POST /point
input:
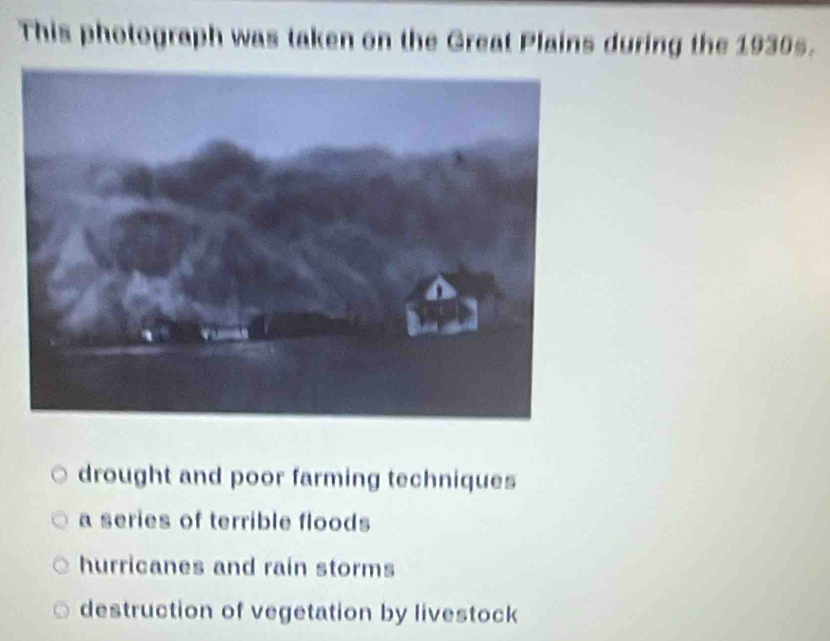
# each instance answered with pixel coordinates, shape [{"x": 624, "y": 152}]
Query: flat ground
[{"x": 484, "y": 374}]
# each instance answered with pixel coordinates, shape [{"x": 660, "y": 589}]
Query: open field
[{"x": 482, "y": 375}]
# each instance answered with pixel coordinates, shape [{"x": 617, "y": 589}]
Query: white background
[{"x": 673, "y": 480}]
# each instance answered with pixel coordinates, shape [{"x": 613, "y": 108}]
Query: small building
[
  {"x": 211, "y": 333},
  {"x": 447, "y": 303},
  {"x": 159, "y": 331},
  {"x": 164, "y": 330}
]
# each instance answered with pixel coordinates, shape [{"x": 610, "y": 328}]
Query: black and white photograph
[{"x": 280, "y": 245}]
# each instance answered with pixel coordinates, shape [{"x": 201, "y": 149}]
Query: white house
[{"x": 449, "y": 303}]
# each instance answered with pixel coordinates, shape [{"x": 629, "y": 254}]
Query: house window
[{"x": 439, "y": 290}]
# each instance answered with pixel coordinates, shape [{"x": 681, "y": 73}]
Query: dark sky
[{"x": 166, "y": 117}]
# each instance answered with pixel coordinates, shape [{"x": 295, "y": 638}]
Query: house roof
[{"x": 466, "y": 283}]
